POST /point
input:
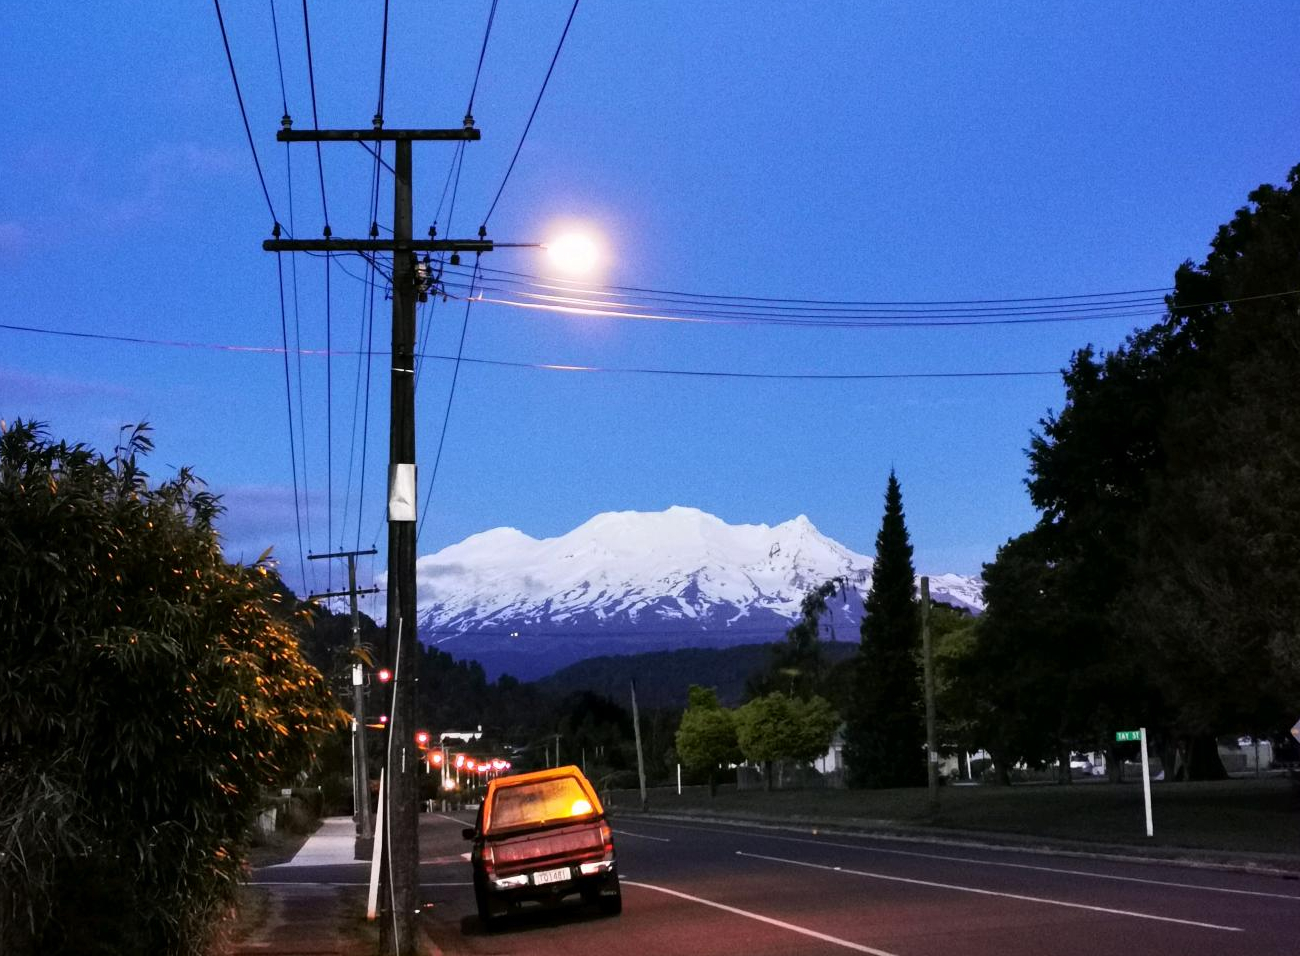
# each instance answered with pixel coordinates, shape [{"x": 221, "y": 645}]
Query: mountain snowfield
[{"x": 631, "y": 581}]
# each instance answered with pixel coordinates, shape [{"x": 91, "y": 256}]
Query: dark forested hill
[{"x": 662, "y": 677}]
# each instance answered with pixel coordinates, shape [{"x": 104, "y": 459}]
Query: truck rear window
[{"x": 544, "y": 801}]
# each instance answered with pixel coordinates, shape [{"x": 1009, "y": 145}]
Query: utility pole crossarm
[
  {"x": 375, "y": 135},
  {"x": 334, "y": 594},
  {"x": 341, "y": 554},
  {"x": 378, "y": 245}
]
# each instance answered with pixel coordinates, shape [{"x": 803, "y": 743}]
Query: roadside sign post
[{"x": 1140, "y": 735}]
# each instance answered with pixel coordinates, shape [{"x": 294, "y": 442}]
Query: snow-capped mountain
[{"x": 630, "y": 581}]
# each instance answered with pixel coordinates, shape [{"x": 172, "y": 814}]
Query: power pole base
[{"x": 363, "y": 848}]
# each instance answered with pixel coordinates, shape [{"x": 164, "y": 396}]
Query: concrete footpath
[{"x": 292, "y": 918}]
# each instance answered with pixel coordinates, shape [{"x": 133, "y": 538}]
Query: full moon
[{"x": 573, "y": 253}]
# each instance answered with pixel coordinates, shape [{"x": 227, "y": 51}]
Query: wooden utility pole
[
  {"x": 365, "y": 838},
  {"x": 640, "y": 757},
  {"x": 931, "y": 747},
  {"x": 399, "y": 869}
]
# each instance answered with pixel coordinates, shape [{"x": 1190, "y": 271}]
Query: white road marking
[
  {"x": 463, "y": 823},
  {"x": 984, "y": 892},
  {"x": 642, "y": 836},
  {"x": 803, "y": 930},
  {"x": 1015, "y": 866},
  {"x": 1040, "y": 869}
]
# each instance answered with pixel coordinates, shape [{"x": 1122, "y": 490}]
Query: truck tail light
[{"x": 607, "y": 838}]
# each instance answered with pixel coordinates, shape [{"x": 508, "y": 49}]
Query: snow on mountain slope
[{"x": 629, "y": 581}]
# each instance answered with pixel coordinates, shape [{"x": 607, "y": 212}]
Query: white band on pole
[
  {"x": 1146, "y": 779},
  {"x": 372, "y": 901}
]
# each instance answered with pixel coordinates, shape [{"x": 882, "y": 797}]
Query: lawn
[{"x": 1248, "y": 816}]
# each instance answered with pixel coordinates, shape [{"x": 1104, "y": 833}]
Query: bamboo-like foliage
[{"x": 149, "y": 692}]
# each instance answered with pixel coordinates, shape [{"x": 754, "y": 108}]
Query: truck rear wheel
[
  {"x": 611, "y": 904},
  {"x": 489, "y": 913}
]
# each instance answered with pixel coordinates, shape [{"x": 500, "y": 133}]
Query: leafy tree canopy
[{"x": 150, "y": 692}]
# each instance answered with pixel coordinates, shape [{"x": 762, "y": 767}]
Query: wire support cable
[{"x": 529, "y": 125}]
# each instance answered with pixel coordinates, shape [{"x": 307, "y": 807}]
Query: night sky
[{"x": 864, "y": 152}]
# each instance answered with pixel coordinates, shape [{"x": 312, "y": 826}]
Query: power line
[
  {"x": 297, "y": 325},
  {"x": 639, "y": 290},
  {"x": 704, "y": 318},
  {"x": 487, "y": 32},
  {"x": 293, "y": 451},
  {"x": 446, "y": 415},
  {"x": 315, "y": 119},
  {"x": 225, "y": 40},
  {"x": 383, "y": 68},
  {"x": 529, "y": 125},
  {"x": 544, "y": 366}
]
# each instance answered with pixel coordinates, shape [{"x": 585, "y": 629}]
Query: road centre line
[
  {"x": 643, "y": 836},
  {"x": 999, "y": 893},
  {"x": 1015, "y": 866},
  {"x": 834, "y": 940}
]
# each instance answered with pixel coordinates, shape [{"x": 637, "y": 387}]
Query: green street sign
[{"x": 1128, "y": 735}]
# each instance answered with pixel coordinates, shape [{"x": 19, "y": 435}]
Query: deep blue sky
[{"x": 848, "y": 150}]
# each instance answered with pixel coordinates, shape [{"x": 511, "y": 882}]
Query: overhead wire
[
  {"x": 298, "y": 506},
  {"x": 446, "y": 414},
  {"x": 367, "y": 324},
  {"x": 293, "y": 459},
  {"x": 503, "y": 363},
  {"x": 487, "y": 32},
  {"x": 248, "y": 131},
  {"x": 532, "y": 115},
  {"x": 329, "y": 370}
]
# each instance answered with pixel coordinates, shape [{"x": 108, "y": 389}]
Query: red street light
[
  {"x": 422, "y": 738},
  {"x": 384, "y": 675},
  {"x": 460, "y": 761},
  {"x": 437, "y": 758}
]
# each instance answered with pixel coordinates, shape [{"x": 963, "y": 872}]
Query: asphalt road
[{"x": 703, "y": 889}]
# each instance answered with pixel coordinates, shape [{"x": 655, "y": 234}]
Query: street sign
[
  {"x": 1295, "y": 731},
  {"x": 1121, "y": 735}
]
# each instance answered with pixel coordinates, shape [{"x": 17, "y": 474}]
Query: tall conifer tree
[{"x": 884, "y": 744}]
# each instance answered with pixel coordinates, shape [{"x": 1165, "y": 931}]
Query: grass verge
[{"x": 1249, "y": 817}]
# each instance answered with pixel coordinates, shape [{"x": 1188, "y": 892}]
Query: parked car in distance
[{"x": 542, "y": 836}]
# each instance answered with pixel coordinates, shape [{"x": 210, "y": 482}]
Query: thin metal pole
[{"x": 931, "y": 748}]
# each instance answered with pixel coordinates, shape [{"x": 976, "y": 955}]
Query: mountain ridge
[{"x": 630, "y": 581}]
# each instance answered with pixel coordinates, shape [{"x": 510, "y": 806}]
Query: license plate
[{"x": 551, "y": 876}]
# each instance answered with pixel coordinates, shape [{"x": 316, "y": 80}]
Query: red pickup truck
[{"x": 542, "y": 836}]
